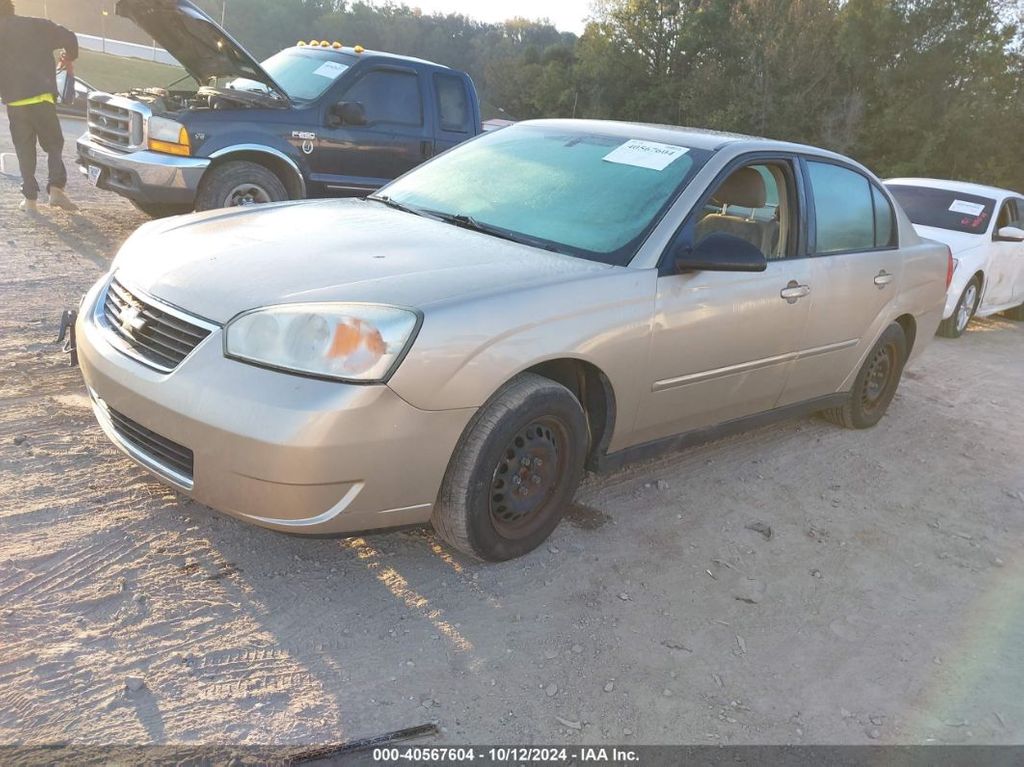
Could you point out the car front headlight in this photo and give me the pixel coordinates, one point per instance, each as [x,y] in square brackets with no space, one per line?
[169,137]
[344,342]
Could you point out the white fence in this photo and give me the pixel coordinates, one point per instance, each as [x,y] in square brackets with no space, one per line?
[128,50]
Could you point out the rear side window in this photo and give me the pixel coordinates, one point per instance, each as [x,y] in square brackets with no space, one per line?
[844,209]
[885,220]
[388,97]
[452,104]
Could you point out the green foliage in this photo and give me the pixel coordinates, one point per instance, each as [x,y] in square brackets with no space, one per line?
[922,87]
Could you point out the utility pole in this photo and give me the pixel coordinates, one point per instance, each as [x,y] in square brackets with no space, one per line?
[105,14]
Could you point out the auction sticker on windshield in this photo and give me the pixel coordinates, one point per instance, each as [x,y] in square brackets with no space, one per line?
[330,69]
[646,154]
[968,208]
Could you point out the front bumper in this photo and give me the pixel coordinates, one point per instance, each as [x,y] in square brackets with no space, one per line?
[281,451]
[148,177]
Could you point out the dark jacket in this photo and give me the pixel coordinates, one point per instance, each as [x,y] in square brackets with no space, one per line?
[26,56]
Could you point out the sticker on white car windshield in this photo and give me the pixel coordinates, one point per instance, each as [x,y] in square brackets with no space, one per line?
[331,69]
[646,154]
[967,208]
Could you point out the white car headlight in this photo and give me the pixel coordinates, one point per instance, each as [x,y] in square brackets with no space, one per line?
[345,342]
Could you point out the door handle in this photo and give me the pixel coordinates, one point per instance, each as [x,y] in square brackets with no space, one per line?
[794,291]
[882,279]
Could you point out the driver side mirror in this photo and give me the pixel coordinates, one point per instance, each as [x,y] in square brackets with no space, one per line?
[720,252]
[1010,234]
[348,113]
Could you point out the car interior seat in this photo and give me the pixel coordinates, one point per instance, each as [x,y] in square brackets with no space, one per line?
[745,188]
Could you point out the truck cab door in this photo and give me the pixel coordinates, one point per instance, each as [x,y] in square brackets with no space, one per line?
[455,115]
[355,159]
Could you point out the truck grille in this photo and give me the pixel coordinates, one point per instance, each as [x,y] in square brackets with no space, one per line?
[112,121]
[160,450]
[150,333]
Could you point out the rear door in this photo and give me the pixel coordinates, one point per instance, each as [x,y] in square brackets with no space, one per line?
[723,343]
[357,159]
[855,272]
[454,110]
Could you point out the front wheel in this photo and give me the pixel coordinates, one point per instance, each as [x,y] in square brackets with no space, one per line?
[955,326]
[239,183]
[876,383]
[514,471]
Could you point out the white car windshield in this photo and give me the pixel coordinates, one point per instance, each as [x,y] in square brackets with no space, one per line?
[586,194]
[303,74]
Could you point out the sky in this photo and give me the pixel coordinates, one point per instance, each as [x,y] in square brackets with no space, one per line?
[566,15]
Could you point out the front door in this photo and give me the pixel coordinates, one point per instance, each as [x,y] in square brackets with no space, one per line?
[855,273]
[357,159]
[1004,268]
[723,343]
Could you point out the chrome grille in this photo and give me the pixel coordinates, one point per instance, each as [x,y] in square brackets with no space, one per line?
[114,122]
[153,334]
[160,450]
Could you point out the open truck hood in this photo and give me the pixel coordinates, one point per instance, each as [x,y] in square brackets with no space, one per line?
[197,41]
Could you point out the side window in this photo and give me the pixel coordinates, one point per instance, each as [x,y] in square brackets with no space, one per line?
[843,207]
[1009,215]
[388,97]
[754,204]
[452,104]
[885,220]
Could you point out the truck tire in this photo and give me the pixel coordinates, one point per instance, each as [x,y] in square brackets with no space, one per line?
[239,182]
[514,471]
[876,383]
[161,209]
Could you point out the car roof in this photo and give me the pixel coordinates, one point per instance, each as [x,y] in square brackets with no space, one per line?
[955,186]
[694,138]
[367,53]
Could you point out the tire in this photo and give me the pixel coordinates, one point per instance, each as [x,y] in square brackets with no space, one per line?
[161,210]
[876,383]
[529,419]
[1016,313]
[955,326]
[239,182]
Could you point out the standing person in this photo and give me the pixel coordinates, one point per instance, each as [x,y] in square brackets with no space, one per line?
[28,86]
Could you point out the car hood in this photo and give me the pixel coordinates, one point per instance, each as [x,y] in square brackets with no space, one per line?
[202,46]
[218,264]
[958,242]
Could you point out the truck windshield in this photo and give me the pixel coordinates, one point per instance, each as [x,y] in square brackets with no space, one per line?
[303,75]
[585,194]
[944,208]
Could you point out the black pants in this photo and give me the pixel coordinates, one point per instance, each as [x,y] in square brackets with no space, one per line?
[38,122]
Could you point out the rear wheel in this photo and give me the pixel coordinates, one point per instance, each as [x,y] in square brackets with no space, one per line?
[514,471]
[955,326]
[160,209]
[876,383]
[239,183]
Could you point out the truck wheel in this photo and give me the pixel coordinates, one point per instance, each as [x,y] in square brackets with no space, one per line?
[514,471]
[876,383]
[955,326]
[237,183]
[161,210]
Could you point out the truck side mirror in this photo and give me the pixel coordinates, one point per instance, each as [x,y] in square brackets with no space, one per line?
[348,113]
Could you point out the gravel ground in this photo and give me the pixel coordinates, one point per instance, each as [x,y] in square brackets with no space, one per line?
[886,606]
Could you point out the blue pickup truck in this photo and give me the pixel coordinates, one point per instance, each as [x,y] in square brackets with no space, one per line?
[316,120]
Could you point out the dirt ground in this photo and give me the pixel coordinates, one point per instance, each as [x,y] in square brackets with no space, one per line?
[887,606]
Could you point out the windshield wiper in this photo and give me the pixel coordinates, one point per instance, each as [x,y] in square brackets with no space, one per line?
[468,222]
[385,200]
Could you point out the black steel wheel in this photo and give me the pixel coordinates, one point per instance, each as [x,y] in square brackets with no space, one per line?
[876,382]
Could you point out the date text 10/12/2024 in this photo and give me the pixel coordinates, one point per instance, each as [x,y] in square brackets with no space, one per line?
[506,754]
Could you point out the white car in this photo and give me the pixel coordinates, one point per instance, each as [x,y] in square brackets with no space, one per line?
[984,228]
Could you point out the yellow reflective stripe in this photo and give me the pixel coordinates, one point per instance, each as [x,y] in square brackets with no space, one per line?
[43,98]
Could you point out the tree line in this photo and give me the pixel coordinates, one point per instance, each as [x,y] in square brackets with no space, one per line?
[908,87]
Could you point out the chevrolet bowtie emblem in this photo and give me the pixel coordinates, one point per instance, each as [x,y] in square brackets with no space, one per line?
[132,320]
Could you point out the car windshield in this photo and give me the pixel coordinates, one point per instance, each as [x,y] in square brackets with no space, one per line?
[944,208]
[304,75]
[579,192]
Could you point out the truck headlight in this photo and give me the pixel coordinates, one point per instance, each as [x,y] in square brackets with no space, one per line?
[344,342]
[169,137]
